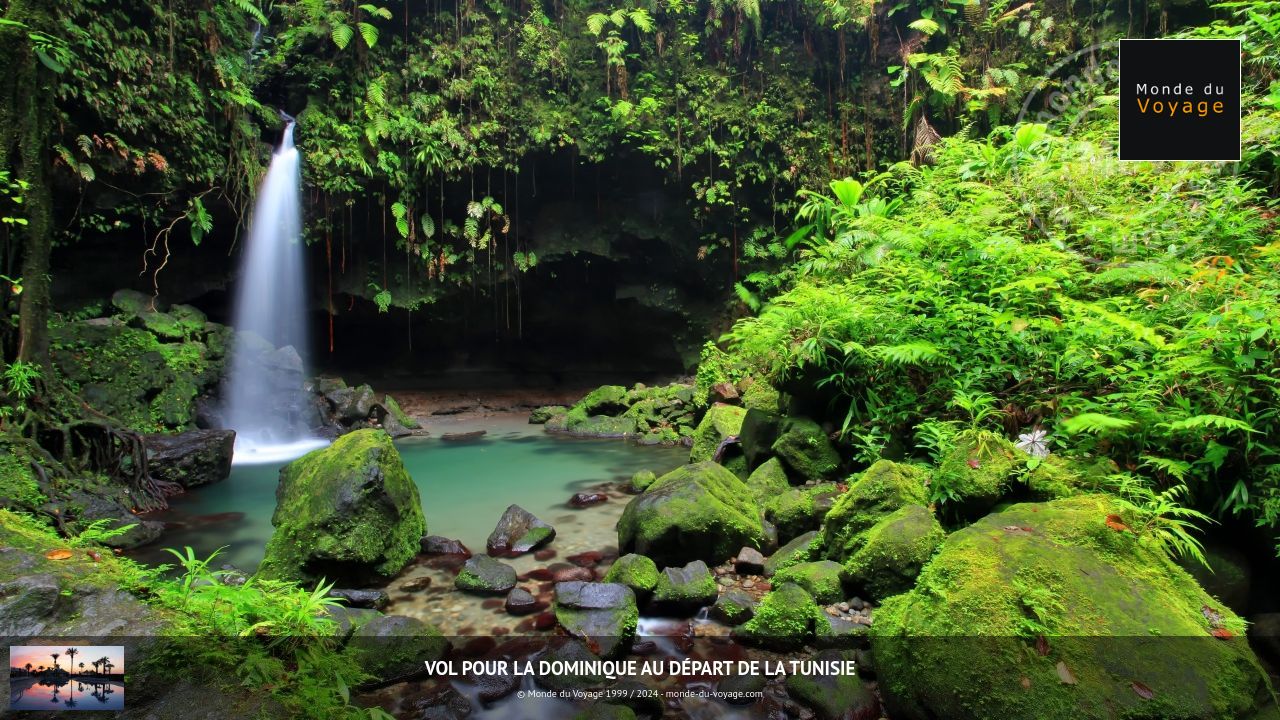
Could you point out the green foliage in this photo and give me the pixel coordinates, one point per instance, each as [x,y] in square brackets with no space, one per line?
[97,532]
[1034,280]
[1160,518]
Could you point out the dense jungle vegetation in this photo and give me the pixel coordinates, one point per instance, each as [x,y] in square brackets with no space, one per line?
[890,242]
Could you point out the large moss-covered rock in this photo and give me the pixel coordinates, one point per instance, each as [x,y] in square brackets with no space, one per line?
[824,580]
[1126,632]
[894,550]
[978,471]
[834,696]
[783,620]
[636,572]
[806,450]
[395,646]
[881,489]
[190,459]
[394,409]
[484,575]
[345,513]
[695,512]
[720,423]
[685,589]
[801,549]
[768,481]
[795,511]
[603,615]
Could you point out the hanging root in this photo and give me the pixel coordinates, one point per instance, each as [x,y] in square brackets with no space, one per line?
[117,452]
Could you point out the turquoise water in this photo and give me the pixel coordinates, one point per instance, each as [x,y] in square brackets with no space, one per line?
[465,486]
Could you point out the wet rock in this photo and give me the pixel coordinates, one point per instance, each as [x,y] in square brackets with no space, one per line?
[724,392]
[28,604]
[369,599]
[587,499]
[541,415]
[636,572]
[544,621]
[638,696]
[591,558]
[604,615]
[352,404]
[398,414]
[783,620]
[834,697]
[569,652]
[482,574]
[644,647]
[521,602]
[93,507]
[349,618]
[493,687]
[464,436]
[395,647]
[833,631]
[741,689]
[567,573]
[734,607]
[349,513]
[823,579]
[683,590]
[798,550]
[720,423]
[604,711]
[417,584]
[190,459]
[696,512]
[894,550]
[805,450]
[393,427]
[443,704]
[439,545]
[749,562]
[641,480]
[518,531]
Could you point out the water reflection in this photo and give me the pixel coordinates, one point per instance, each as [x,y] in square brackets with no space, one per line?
[79,693]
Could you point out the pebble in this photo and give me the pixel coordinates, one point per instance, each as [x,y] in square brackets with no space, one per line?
[844,607]
[544,554]
[748,583]
[857,603]
[416,584]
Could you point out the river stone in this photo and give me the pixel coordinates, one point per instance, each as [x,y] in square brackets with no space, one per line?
[395,647]
[394,409]
[518,532]
[190,459]
[783,620]
[805,450]
[636,572]
[798,550]
[823,579]
[832,631]
[440,545]
[605,711]
[695,512]
[482,574]
[734,607]
[894,551]
[93,507]
[749,562]
[685,589]
[349,513]
[720,423]
[131,302]
[833,697]
[521,602]
[741,688]
[1124,617]
[879,491]
[352,404]
[541,415]
[569,651]
[365,599]
[604,615]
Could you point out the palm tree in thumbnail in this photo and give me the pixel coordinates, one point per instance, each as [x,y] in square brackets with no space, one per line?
[55,660]
[71,655]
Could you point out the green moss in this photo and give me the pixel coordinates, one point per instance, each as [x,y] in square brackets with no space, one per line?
[824,580]
[394,646]
[635,571]
[18,487]
[759,395]
[642,479]
[399,414]
[799,510]
[784,619]
[977,472]
[801,549]
[720,422]
[894,550]
[691,585]
[1115,611]
[834,696]
[541,415]
[881,489]
[806,450]
[349,507]
[601,711]
[695,512]
[768,480]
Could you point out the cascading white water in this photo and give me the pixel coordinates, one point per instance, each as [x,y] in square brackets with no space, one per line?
[264,399]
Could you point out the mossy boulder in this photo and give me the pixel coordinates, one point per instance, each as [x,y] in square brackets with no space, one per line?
[798,510]
[758,434]
[824,580]
[768,481]
[834,696]
[347,513]
[598,426]
[783,620]
[880,490]
[695,512]
[759,395]
[734,607]
[800,549]
[541,415]
[685,589]
[1228,577]
[604,400]
[1126,632]
[894,550]
[132,302]
[636,572]
[642,479]
[394,646]
[720,422]
[978,471]
[605,711]
[394,409]
[484,575]
[603,615]
[1057,477]
[805,450]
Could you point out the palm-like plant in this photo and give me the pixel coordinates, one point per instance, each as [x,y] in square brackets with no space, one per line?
[71,655]
[55,660]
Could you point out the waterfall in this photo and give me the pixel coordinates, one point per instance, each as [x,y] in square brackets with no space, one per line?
[264,397]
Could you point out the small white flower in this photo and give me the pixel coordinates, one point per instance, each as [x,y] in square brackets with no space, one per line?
[1033,443]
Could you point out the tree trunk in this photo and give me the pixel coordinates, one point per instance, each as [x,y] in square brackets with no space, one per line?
[26,114]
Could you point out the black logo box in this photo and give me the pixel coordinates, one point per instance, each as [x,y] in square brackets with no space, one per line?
[1190,64]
